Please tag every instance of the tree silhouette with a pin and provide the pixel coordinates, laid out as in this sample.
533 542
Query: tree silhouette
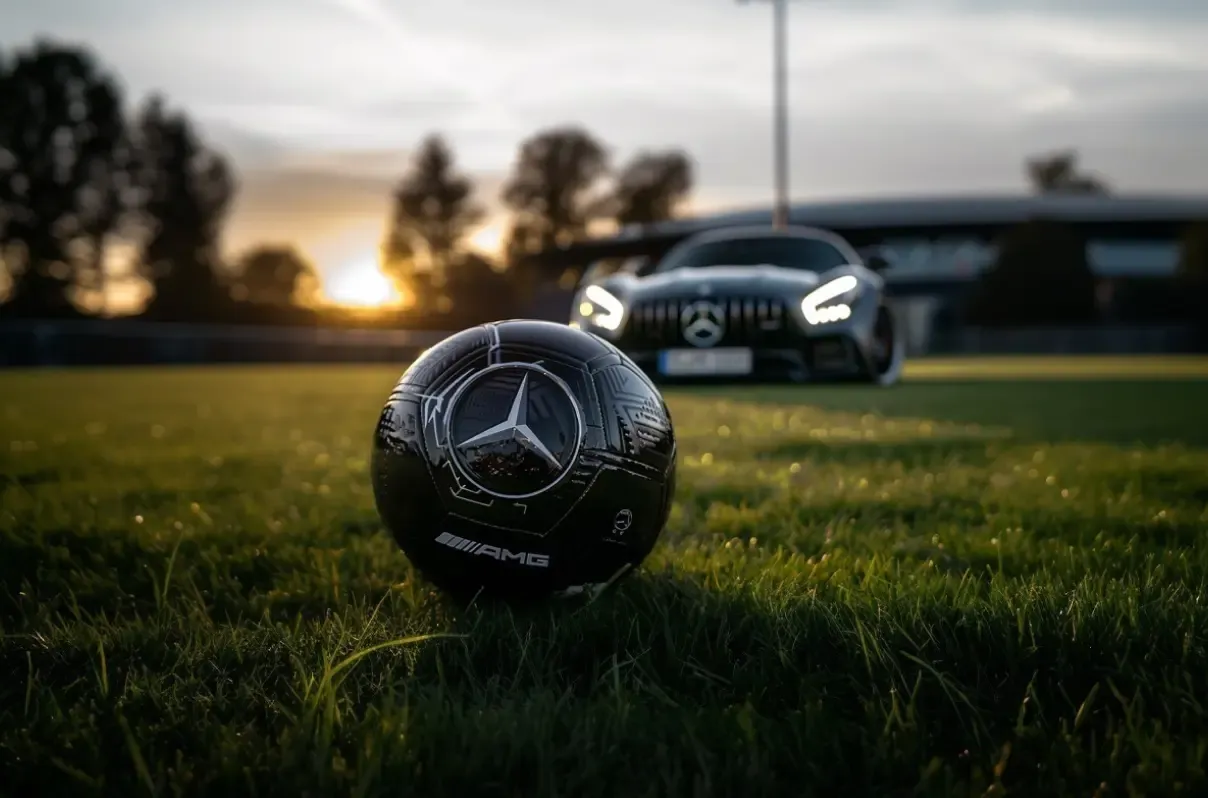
650 187
7 161
1193 253
187 190
1040 276
62 178
553 189
107 214
480 292
1057 173
398 262
522 240
273 274
434 208
1192 278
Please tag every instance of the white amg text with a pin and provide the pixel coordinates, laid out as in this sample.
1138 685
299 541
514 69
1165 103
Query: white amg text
503 555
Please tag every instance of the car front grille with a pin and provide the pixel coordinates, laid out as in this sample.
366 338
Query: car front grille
748 321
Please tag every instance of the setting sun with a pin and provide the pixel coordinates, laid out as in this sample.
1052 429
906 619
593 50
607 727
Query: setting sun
360 284
487 240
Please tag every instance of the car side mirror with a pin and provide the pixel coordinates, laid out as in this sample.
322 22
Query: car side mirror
877 263
645 268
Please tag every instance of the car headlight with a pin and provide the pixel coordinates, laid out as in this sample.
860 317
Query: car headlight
599 308
832 301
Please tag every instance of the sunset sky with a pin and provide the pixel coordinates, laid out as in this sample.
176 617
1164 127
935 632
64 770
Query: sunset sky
318 101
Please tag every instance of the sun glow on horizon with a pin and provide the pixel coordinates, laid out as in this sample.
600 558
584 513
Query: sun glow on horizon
487 239
360 284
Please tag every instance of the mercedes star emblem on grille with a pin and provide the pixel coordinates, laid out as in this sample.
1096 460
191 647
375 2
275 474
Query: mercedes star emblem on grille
704 323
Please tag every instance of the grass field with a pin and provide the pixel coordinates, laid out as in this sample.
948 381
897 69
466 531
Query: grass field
982 587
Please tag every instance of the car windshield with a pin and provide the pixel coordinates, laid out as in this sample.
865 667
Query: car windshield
811 254
603 268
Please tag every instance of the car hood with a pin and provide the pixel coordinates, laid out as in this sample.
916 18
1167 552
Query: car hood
719 281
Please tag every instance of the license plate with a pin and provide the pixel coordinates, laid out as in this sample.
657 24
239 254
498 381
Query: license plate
727 361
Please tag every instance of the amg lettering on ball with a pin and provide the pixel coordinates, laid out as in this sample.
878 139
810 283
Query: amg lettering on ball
503 555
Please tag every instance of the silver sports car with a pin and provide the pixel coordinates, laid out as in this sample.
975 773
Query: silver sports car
749 303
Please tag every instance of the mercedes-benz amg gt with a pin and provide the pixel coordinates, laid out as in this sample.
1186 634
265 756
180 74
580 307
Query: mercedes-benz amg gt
797 304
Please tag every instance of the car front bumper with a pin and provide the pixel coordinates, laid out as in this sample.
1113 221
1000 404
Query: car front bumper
826 358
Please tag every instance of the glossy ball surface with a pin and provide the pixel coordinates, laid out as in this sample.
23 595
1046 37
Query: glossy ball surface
526 459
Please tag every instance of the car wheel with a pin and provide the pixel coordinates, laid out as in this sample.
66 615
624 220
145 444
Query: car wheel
888 356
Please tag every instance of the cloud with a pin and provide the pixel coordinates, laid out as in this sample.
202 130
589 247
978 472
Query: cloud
1170 11
242 147
374 13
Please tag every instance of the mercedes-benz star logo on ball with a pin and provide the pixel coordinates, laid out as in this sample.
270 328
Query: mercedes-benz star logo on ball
514 427
704 323
515 430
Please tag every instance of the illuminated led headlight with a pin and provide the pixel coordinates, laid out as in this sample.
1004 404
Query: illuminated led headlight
831 302
601 309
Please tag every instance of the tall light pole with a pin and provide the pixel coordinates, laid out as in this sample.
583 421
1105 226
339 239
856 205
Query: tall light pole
780 112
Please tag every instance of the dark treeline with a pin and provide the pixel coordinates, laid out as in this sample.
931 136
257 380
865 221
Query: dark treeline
89 179
1007 293
1041 274
86 182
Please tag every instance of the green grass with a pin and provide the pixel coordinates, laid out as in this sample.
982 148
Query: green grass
950 588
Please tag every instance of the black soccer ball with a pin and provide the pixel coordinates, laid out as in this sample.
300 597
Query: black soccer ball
524 459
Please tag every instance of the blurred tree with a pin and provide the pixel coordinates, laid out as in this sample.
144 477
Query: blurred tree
420 289
521 243
7 160
63 180
108 214
554 188
1193 253
650 187
1041 276
1193 278
555 192
434 208
274 274
187 189
427 297
1057 173
398 262
480 292
522 239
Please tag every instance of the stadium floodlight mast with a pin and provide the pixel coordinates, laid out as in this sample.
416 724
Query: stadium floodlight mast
780 110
